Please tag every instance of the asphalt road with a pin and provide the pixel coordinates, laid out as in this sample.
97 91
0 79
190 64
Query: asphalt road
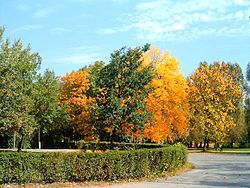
212 170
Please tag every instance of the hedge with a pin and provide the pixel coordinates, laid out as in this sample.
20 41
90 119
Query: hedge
79 167
103 146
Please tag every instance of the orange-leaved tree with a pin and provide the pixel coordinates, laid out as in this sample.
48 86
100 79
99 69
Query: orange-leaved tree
215 94
74 88
168 101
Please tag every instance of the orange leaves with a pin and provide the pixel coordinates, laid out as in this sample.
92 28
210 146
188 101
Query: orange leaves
168 101
74 87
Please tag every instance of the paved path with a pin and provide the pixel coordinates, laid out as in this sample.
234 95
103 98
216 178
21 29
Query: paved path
212 170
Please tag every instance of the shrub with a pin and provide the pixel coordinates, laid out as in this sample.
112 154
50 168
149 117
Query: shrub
103 146
79 166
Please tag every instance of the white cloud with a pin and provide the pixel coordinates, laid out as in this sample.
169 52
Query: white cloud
82 59
28 28
167 20
80 55
120 1
239 2
107 31
59 30
43 12
90 49
24 7
34 8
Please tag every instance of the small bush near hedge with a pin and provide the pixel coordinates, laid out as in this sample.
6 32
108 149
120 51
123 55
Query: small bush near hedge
103 146
78 166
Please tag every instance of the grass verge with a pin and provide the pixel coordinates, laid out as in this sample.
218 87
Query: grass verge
224 150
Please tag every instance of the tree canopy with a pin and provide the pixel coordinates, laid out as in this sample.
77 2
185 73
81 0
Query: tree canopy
168 100
214 95
123 87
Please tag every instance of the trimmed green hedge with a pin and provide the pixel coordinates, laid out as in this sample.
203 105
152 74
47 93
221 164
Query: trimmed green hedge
78 166
103 146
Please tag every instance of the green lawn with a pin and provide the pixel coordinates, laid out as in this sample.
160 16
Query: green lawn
225 150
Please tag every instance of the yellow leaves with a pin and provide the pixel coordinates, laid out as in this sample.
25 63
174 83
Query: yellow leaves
213 96
74 87
168 101
123 104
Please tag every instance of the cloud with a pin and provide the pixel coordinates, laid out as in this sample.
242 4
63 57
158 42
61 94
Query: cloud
34 8
79 59
60 30
43 12
239 2
23 7
89 49
108 31
80 55
120 1
29 27
166 20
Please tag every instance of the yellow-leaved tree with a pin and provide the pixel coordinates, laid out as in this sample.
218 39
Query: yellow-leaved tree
74 88
215 94
168 101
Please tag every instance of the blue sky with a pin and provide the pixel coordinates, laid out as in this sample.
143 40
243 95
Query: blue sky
70 34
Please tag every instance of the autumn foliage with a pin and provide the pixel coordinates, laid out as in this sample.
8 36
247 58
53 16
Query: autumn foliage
74 88
140 95
168 101
214 96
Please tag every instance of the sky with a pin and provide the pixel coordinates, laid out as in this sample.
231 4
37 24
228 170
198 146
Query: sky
70 34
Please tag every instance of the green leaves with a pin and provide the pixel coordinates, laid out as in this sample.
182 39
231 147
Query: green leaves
79 166
122 90
18 71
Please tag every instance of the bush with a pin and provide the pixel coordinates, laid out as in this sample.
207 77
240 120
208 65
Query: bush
103 146
79 166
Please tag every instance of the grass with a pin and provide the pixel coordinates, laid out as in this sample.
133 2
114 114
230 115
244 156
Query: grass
224 150
232 150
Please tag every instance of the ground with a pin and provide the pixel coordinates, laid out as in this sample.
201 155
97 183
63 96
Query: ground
212 170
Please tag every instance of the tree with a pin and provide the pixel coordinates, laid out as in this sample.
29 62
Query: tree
214 96
47 109
168 101
123 87
93 74
238 134
74 88
18 71
247 102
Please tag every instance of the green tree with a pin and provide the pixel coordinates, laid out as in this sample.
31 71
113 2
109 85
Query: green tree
47 110
247 101
18 71
238 134
123 87
93 74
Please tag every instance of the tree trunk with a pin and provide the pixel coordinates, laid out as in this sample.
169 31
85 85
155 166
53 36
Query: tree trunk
39 138
196 145
190 144
14 141
205 144
221 147
20 144
200 146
